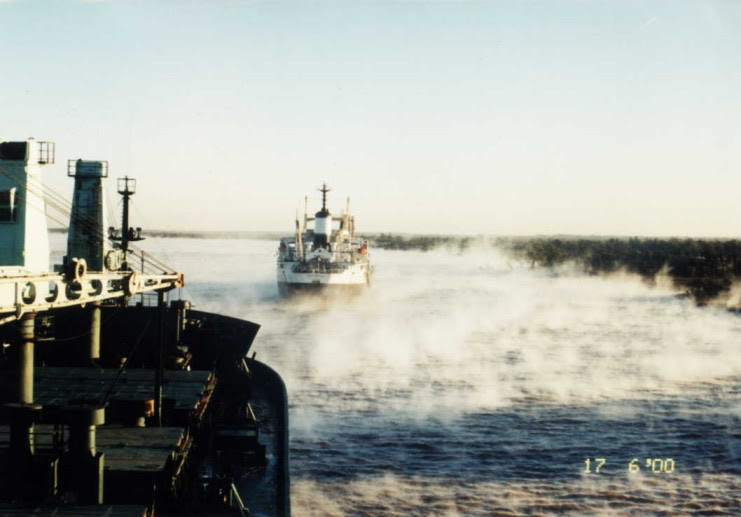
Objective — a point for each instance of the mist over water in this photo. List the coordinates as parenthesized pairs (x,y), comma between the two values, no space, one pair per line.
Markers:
(470,385)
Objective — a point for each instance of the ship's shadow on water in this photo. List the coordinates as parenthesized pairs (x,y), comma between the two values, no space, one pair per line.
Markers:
(528,442)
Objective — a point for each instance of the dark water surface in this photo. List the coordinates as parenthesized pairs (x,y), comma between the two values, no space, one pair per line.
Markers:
(467,385)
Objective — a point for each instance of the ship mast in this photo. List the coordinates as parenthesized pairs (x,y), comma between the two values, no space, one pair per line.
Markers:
(299,240)
(324,191)
(127,188)
(306,216)
(323,222)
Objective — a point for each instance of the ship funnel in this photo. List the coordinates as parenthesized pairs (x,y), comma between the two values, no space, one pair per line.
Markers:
(87,227)
(24,239)
(322,222)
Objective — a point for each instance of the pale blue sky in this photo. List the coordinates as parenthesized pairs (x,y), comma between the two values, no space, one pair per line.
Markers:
(509,117)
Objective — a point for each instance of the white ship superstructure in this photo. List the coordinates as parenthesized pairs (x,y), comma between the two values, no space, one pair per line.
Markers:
(324,254)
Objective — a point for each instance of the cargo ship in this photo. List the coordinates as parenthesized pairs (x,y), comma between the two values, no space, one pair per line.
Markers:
(115,400)
(324,255)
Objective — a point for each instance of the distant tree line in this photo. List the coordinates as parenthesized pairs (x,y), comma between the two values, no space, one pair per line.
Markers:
(389,241)
(703,268)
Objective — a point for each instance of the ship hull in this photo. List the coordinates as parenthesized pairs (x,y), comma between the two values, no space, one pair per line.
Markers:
(231,425)
(352,279)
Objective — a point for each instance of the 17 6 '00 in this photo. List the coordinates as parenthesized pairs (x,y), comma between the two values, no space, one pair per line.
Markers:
(655,465)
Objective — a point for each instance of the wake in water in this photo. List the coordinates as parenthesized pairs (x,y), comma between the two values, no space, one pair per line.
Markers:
(467,385)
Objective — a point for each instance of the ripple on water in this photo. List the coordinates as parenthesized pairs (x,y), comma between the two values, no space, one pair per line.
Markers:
(394,495)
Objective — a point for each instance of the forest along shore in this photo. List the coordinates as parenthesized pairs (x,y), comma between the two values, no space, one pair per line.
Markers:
(704,269)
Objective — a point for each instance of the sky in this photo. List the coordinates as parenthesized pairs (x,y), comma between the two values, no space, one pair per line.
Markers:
(524,117)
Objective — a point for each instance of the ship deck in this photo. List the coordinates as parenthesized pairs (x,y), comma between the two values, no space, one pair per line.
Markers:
(126,449)
(135,457)
(56,387)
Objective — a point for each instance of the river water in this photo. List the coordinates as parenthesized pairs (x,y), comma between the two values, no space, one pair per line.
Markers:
(466,384)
